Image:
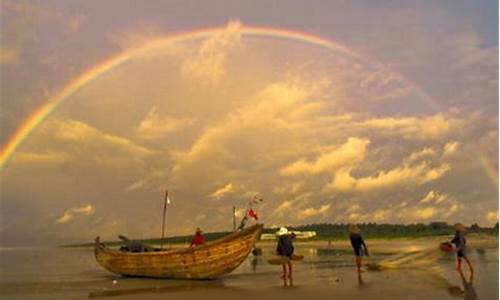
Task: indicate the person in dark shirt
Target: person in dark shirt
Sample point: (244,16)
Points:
(459,242)
(358,245)
(285,249)
(198,238)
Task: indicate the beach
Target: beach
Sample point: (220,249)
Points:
(327,270)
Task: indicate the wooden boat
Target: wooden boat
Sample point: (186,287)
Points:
(207,261)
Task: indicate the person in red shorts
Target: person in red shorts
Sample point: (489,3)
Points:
(198,238)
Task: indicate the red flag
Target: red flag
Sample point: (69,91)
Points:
(252,213)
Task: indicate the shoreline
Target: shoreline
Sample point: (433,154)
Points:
(472,238)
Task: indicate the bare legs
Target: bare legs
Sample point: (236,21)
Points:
(287,274)
(459,265)
(359,261)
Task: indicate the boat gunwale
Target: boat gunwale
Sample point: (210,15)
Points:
(100,246)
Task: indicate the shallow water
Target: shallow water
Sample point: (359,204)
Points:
(55,273)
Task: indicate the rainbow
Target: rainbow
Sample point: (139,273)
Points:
(37,117)
(489,169)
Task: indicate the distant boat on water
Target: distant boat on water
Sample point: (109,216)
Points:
(207,261)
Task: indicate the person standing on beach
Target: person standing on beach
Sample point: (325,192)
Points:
(459,242)
(285,249)
(358,245)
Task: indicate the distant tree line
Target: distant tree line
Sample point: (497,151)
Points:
(328,230)
(339,231)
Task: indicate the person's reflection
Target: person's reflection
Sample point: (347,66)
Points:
(361,283)
(469,291)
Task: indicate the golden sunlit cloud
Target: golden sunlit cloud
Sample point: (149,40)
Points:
(430,127)
(154,126)
(450,148)
(86,210)
(433,205)
(284,206)
(350,153)
(434,197)
(313,212)
(136,185)
(422,213)
(223,191)
(405,174)
(278,106)
(82,133)
(426,152)
(491,217)
(208,66)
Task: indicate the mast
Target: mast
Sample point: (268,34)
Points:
(164,219)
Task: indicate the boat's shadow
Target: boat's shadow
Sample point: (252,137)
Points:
(161,286)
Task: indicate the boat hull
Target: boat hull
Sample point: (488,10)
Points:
(208,261)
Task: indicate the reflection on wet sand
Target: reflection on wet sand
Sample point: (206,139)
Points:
(361,283)
(178,287)
(469,290)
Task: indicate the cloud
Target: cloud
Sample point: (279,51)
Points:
(350,153)
(263,132)
(434,197)
(431,127)
(289,188)
(36,13)
(138,36)
(313,212)
(433,206)
(154,126)
(223,191)
(86,210)
(426,152)
(422,213)
(136,185)
(414,174)
(34,157)
(450,148)
(208,66)
(284,206)
(491,217)
(84,134)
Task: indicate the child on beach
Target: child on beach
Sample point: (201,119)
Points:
(285,249)
(358,245)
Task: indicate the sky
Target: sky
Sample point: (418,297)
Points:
(331,111)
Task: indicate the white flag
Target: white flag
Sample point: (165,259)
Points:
(168,200)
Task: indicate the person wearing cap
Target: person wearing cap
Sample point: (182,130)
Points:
(358,245)
(285,249)
(198,238)
(459,242)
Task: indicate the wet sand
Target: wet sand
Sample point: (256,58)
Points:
(326,271)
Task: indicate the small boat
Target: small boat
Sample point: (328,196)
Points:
(207,261)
